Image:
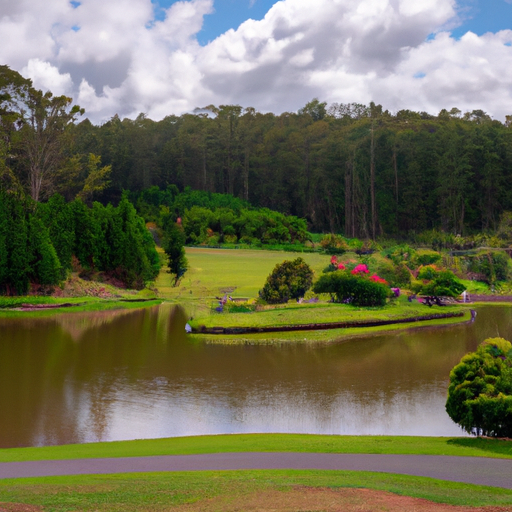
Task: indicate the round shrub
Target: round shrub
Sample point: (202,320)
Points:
(480,390)
(288,280)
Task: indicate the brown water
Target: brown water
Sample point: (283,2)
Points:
(74,378)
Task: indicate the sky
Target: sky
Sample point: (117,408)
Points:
(169,57)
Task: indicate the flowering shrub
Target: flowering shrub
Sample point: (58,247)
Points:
(376,279)
(356,289)
(360,269)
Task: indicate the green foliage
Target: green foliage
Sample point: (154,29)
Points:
(334,244)
(357,290)
(43,262)
(288,280)
(492,265)
(480,390)
(424,257)
(174,247)
(397,275)
(401,253)
(57,216)
(440,283)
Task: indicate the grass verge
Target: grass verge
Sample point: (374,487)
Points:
(463,446)
(160,491)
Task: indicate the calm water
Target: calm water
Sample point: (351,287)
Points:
(134,374)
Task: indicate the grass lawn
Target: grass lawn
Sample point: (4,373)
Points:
(172,491)
(463,446)
(160,491)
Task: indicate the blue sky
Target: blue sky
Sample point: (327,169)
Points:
(483,16)
(228,14)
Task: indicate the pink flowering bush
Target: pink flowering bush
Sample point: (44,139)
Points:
(376,279)
(360,269)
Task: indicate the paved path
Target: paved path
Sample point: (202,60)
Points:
(473,470)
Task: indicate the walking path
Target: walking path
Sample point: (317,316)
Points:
(472,470)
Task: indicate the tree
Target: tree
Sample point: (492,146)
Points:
(288,280)
(36,128)
(174,247)
(480,390)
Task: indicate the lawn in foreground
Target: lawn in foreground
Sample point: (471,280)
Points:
(160,491)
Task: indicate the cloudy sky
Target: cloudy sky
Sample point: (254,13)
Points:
(165,57)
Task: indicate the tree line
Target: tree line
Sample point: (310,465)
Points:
(348,168)
(41,242)
(353,169)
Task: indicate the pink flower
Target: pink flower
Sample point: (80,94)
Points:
(334,260)
(361,269)
(341,266)
(376,279)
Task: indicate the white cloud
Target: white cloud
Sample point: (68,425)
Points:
(116,58)
(47,77)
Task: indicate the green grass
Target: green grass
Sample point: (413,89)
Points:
(324,336)
(159,491)
(83,304)
(319,313)
(463,446)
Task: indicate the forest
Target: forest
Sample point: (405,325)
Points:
(230,174)
(347,168)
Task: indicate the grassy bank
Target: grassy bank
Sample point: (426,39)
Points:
(463,446)
(179,491)
(79,305)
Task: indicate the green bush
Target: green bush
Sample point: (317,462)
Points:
(400,253)
(396,275)
(425,257)
(334,244)
(493,265)
(442,283)
(480,390)
(357,290)
(288,280)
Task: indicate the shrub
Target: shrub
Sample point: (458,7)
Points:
(491,264)
(288,280)
(346,287)
(443,283)
(425,257)
(400,253)
(334,244)
(480,390)
(395,275)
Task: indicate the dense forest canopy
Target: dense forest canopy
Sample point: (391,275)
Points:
(350,168)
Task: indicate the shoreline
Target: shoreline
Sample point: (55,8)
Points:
(325,325)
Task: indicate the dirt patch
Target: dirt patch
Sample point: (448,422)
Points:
(19,507)
(308,499)
(77,287)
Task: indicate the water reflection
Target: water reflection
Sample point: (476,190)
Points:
(134,374)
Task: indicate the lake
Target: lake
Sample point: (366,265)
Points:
(132,374)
